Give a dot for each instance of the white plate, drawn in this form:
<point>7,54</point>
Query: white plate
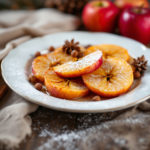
<point>13,71</point>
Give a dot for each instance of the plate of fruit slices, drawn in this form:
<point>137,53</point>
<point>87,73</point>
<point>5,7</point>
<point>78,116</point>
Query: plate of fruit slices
<point>61,72</point>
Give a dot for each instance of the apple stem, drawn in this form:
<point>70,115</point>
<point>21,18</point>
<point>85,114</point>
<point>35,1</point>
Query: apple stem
<point>139,10</point>
<point>99,4</point>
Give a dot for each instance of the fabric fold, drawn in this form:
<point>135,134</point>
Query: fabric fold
<point>17,27</point>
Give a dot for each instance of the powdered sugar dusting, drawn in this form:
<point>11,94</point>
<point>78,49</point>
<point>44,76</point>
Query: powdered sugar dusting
<point>123,132</point>
<point>88,60</point>
<point>82,63</point>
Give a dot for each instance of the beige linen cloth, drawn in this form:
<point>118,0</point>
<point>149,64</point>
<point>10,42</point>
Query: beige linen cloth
<point>17,27</point>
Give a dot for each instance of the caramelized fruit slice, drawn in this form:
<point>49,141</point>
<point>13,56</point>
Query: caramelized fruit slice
<point>42,63</point>
<point>64,88</point>
<point>61,56</point>
<point>39,66</point>
<point>113,78</point>
<point>110,50</point>
<point>84,65</point>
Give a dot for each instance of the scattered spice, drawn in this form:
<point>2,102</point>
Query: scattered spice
<point>68,47</point>
<point>96,98</point>
<point>137,75</point>
<point>32,79</point>
<point>140,65</point>
<point>87,46</point>
<point>51,49</point>
<point>38,86</point>
<point>37,54</point>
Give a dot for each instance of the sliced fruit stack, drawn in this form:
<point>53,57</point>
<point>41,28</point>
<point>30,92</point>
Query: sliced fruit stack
<point>113,78</point>
<point>64,88</point>
<point>83,66</point>
<point>109,50</point>
<point>103,69</point>
<point>42,63</point>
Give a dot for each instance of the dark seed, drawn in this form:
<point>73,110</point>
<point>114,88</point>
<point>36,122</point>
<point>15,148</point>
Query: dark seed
<point>51,48</point>
<point>32,79</point>
<point>37,54</point>
<point>38,86</point>
<point>137,75</point>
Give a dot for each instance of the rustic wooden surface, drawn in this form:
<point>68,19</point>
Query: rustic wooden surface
<point>50,128</point>
<point>55,130</point>
<point>59,123</point>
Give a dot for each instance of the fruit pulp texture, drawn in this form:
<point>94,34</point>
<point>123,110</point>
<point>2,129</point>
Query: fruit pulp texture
<point>28,71</point>
<point>109,50</point>
<point>111,79</point>
<point>42,63</point>
<point>64,88</point>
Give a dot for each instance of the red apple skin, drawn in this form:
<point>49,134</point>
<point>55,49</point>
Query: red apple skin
<point>89,69</point>
<point>122,4</point>
<point>136,25</point>
<point>100,18</point>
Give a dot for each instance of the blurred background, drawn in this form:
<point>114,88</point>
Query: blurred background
<point>67,6</point>
<point>110,20</point>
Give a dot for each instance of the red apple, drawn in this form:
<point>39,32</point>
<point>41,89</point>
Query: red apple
<point>100,15</point>
<point>131,3</point>
<point>135,23</point>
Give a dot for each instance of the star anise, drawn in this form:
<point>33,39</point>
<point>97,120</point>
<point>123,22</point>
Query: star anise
<point>71,46</point>
<point>140,66</point>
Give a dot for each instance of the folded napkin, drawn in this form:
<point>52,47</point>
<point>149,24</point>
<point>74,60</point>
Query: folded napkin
<point>17,27</point>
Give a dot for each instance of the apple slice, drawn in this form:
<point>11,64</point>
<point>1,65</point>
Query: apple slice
<point>39,66</point>
<point>113,78</point>
<point>64,88</point>
<point>42,63</point>
<point>109,50</point>
<point>83,66</point>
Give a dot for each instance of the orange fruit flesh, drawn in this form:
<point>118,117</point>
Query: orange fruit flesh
<point>60,56</point>
<point>109,50</point>
<point>113,78</point>
<point>39,66</point>
<point>64,88</point>
<point>42,63</point>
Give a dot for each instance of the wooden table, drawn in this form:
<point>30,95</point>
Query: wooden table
<point>48,124</point>
<point>54,130</point>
